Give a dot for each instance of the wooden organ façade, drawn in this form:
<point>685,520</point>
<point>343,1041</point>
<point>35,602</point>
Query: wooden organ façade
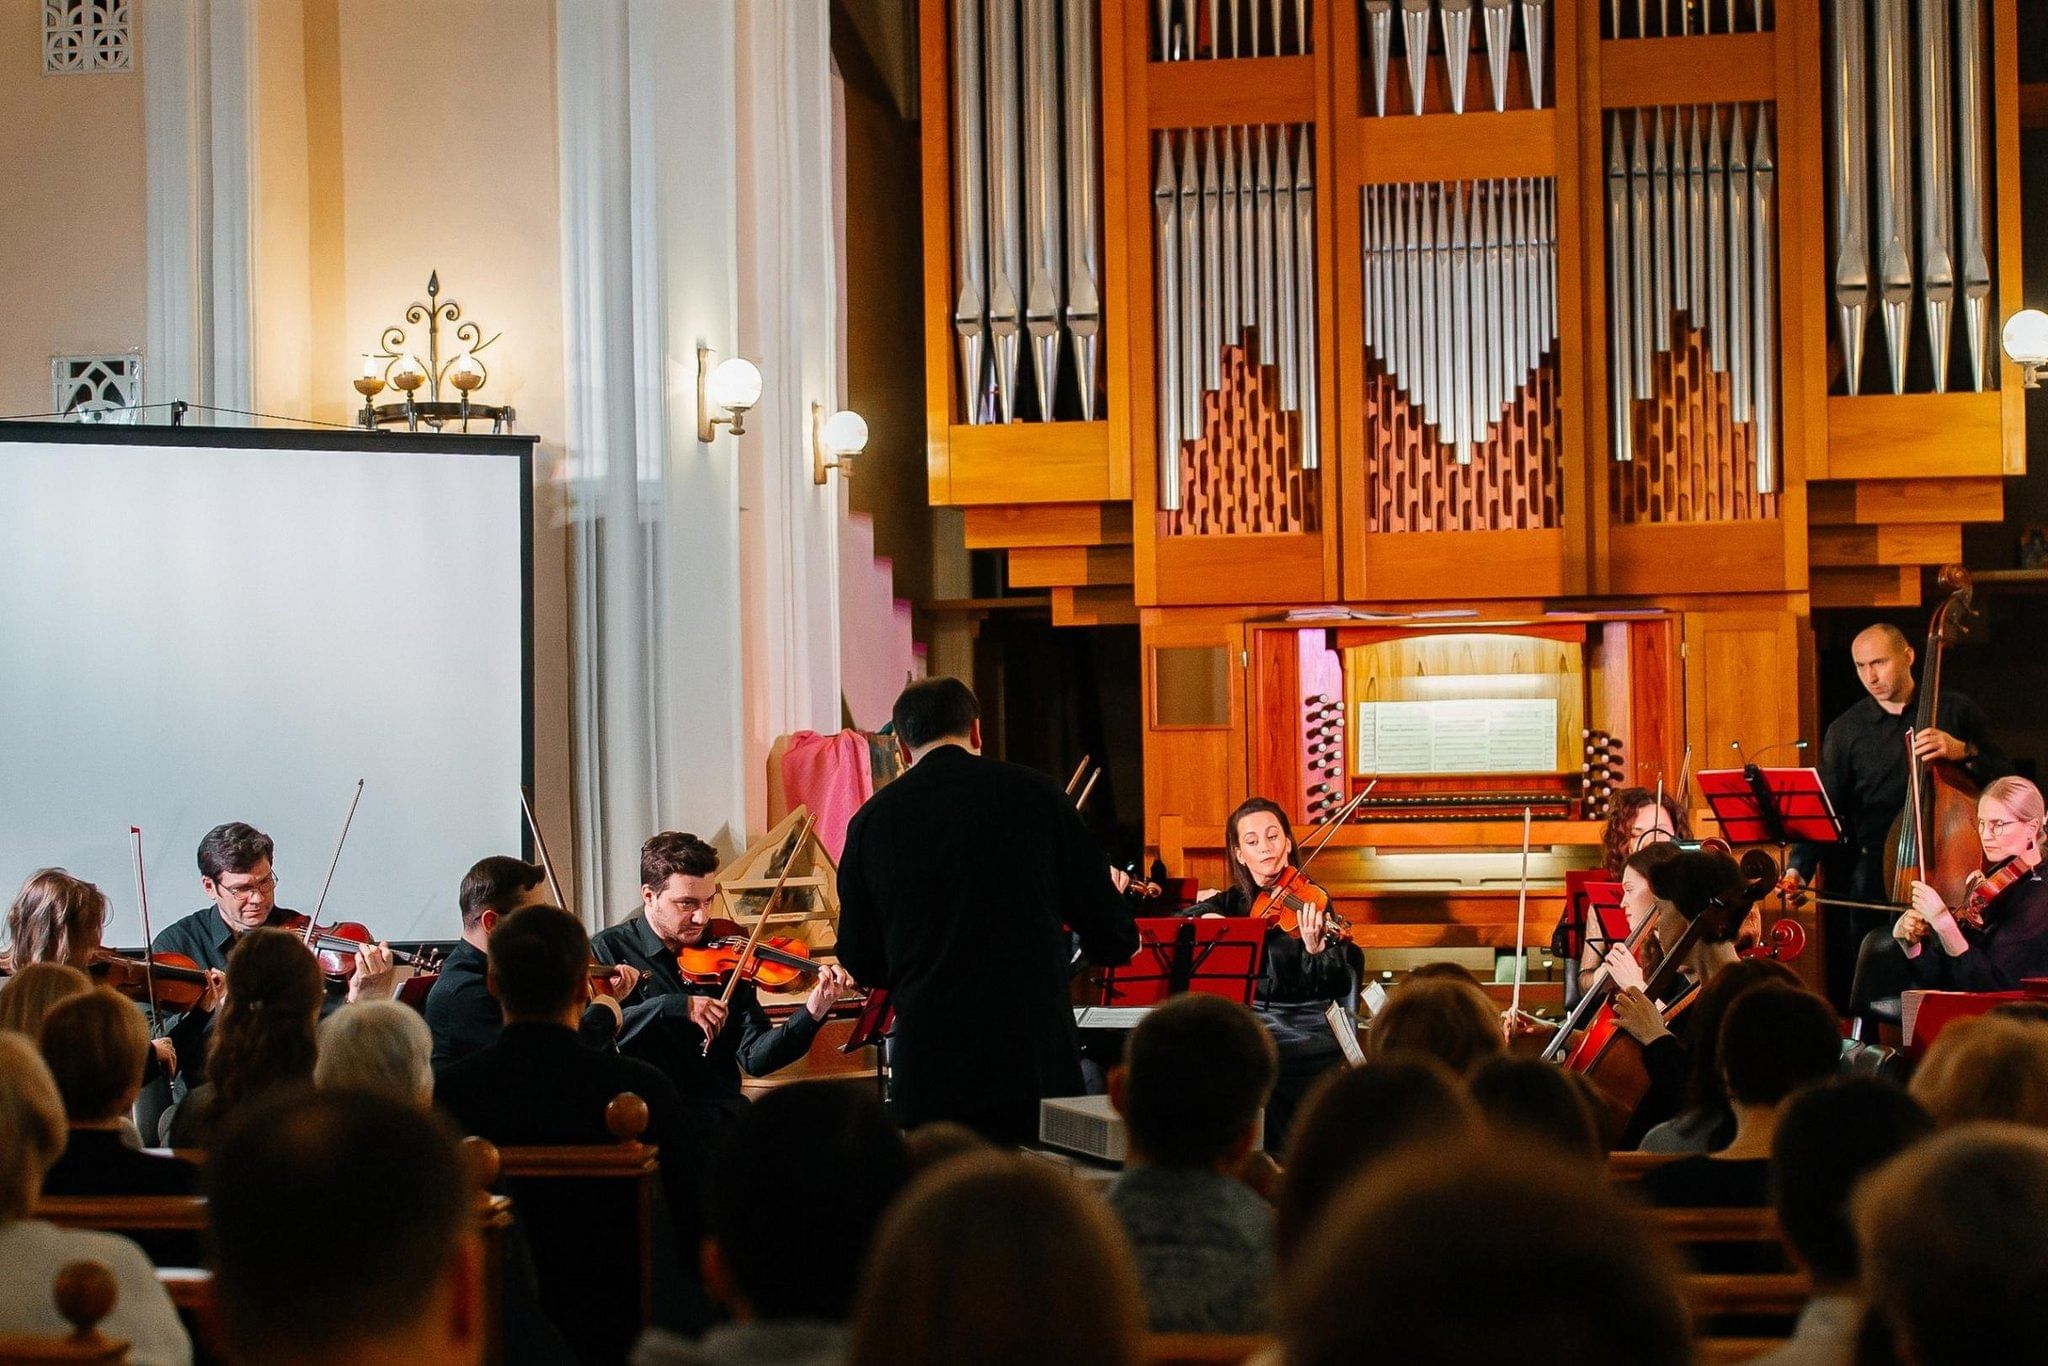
<point>1475,395</point>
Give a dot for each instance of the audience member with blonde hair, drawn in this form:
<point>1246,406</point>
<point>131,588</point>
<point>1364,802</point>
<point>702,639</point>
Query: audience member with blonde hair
<point>95,1045</point>
<point>1954,1241</point>
<point>1001,1262</point>
<point>1353,1121</point>
<point>32,1252</point>
<point>28,996</point>
<point>1473,1257</point>
<point>381,1046</point>
<point>1443,1018</point>
<point>1988,1067</point>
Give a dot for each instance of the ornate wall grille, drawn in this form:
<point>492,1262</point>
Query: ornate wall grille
<point>96,388</point>
<point>81,36</point>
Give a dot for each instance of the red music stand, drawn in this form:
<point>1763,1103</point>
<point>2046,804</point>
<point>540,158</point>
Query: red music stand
<point>1778,806</point>
<point>1590,892</point>
<point>1218,956</point>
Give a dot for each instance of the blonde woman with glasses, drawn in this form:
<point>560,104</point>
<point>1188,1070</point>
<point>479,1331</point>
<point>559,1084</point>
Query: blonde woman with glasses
<point>1999,935</point>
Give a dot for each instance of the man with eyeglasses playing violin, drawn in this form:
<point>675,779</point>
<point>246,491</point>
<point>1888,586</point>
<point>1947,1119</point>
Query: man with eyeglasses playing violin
<point>235,873</point>
<point>668,1017</point>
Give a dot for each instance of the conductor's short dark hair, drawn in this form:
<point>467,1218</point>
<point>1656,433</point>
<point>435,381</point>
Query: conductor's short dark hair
<point>828,1150</point>
<point>539,958</point>
<point>1199,1070</point>
<point>272,1182</point>
<point>933,709</point>
<point>1827,1139</point>
<point>1775,1040</point>
<point>496,884</point>
<point>233,848</point>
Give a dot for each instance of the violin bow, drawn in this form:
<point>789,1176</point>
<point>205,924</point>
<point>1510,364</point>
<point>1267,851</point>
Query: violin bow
<point>1521,929</point>
<point>1332,826</point>
<point>156,1017</point>
<point>1913,766</point>
<point>346,821</point>
<point>796,846</point>
<point>540,846</point>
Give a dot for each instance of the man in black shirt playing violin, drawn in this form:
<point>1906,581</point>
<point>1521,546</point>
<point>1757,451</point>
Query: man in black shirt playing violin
<point>1863,766</point>
<point>668,1016</point>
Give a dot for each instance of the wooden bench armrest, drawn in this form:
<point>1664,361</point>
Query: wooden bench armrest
<point>1203,1349</point>
<point>622,1160</point>
<point>1776,1292</point>
<point>122,1213</point>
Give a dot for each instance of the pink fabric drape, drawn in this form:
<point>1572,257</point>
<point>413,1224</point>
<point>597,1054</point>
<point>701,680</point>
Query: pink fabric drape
<point>831,775</point>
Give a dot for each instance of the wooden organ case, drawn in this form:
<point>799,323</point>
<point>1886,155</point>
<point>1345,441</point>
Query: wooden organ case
<point>1469,371</point>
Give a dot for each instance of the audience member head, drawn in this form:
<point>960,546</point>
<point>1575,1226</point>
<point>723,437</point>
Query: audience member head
<point>1443,1018</point>
<point>31,1125</point>
<point>1703,1085</point>
<point>495,887</point>
<point>55,918</point>
<point>1443,970</point>
<point>1953,1235</point>
<point>1355,1119</point>
<point>401,1286</point>
<point>1194,1082</point>
<point>1002,1262</point>
<point>1829,1137</point>
<point>539,965</point>
<point>1636,820</point>
<point>1989,1067</point>
<point>1411,1252</point>
<point>95,1044</point>
<point>264,1036</point>
<point>1775,1040</point>
<point>2031,1011</point>
<point>380,1046</point>
<point>236,873</point>
<point>941,1140</point>
<point>28,996</point>
<point>934,709</point>
<point>1527,1099</point>
<point>828,1151</point>
<point>1258,842</point>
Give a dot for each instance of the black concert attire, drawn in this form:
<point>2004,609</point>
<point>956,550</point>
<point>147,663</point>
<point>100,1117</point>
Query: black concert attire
<point>1295,987</point>
<point>955,890</point>
<point>538,1084</point>
<point>658,1028</point>
<point>1863,767</point>
<point>206,939</point>
<point>463,1016</point>
<point>100,1162</point>
<point>2012,946</point>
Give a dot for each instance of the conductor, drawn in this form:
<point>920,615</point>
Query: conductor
<point>958,884</point>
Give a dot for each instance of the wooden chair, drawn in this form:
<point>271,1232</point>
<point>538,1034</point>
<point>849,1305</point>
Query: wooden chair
<point>1203,1349</point>
<point>1691,1227</point>
<point>589,1214</point>
<point>1725,1351</point>
<point>1626,1167</point>
<point>85,1292</point>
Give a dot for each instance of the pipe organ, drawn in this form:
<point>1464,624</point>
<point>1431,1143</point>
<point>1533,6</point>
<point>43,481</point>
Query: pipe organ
<point>1472,396</point>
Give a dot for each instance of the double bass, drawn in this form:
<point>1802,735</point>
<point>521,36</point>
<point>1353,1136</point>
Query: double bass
<point>1934,840</point>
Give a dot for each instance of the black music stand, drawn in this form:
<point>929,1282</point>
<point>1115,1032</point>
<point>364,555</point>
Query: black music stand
<point>1214,955</point>
<point>1778,806</point>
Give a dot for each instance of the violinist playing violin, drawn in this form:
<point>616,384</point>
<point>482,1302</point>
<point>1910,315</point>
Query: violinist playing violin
<point>669,1017</point>
<point>1999,935</point>
<point>1304,970</point>
<point>236,874</point>
<point>58,918</point>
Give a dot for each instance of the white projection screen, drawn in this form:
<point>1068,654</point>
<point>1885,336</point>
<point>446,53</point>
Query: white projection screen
<point>205,625</point>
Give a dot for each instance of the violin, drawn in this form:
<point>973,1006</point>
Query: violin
<point>168,981</point>
<point>775,963</point>
<point>1283,902</point>
<point>337,945</point>
<point>1981,889</point>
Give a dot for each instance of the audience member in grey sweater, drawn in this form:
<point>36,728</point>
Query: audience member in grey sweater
<point>1195,1080</point>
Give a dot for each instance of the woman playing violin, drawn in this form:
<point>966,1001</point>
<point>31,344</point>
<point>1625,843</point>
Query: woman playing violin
<point>58,918</point>
<point>1304,970</point>
<point>1999,936</point>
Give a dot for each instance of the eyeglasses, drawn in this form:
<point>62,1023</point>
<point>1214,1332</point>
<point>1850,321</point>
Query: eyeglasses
<point>248,892</point>
<point>1995,828</point>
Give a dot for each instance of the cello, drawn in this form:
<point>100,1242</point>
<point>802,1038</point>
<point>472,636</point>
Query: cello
<point>1934,840</point>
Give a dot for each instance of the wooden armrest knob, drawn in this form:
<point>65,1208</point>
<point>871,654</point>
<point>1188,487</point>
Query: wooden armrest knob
<point>626,1117</point>
<point>480,1155</point>
<point>85,1294</point>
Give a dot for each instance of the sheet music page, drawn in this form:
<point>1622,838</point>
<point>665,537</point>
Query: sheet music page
<point>1460,735</point>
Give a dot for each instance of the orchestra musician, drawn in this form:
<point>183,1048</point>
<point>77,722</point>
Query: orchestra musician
<point>1636,819</point>
<point>1302,973</point>
<point>669,1017</point>
<point>461,1012</point>
<point>1863,766</point>
<point>1999,937</point>
<point>956,886</point>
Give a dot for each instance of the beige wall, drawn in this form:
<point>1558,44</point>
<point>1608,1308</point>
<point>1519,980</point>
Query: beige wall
<point>71,217</point>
